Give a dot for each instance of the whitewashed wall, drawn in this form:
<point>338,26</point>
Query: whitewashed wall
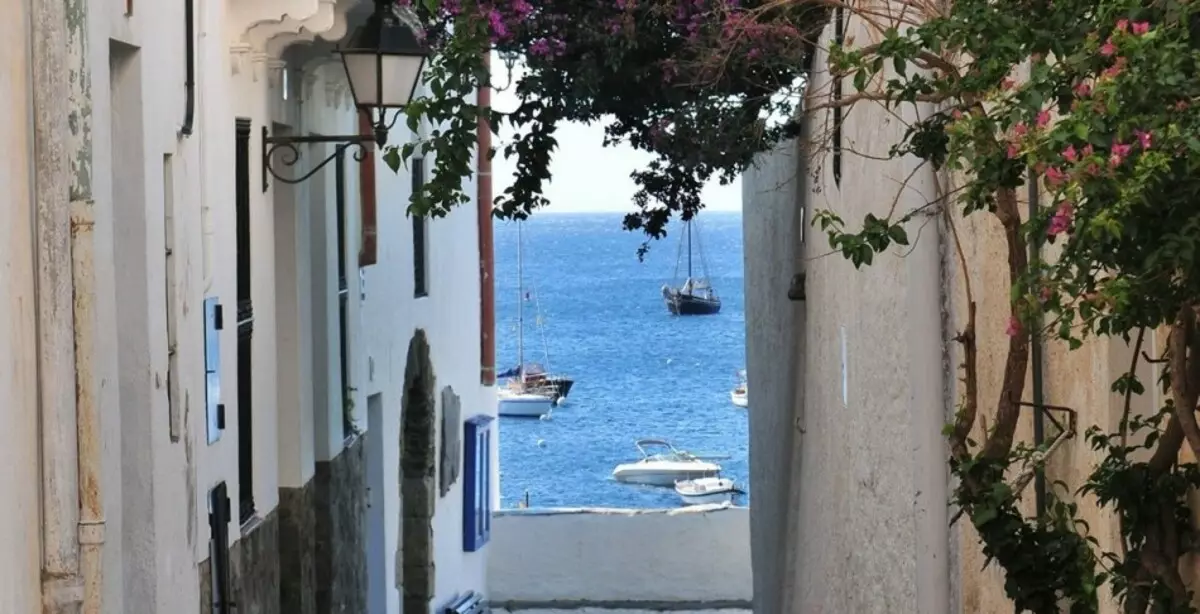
<point>19,527</point>
<point>609,556</point>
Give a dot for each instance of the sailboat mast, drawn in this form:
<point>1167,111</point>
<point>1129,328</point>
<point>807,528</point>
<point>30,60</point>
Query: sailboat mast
<point>689,234</point>
<point>520,306</point>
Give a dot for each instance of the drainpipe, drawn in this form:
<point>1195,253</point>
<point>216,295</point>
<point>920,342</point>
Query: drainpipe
<point>83,272</point>
<point>1036,359</point>
<point>487,260</point>
<point>62,588</point>
<point>926,284</point>
<point>189,83</point>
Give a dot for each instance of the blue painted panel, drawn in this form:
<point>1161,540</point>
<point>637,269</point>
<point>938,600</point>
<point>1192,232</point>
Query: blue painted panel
<point>477,482</point>
<point>212,369</point>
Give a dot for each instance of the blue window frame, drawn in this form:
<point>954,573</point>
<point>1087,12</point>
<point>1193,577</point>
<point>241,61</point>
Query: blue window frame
<point>213,409</point>
<point>477,482</point>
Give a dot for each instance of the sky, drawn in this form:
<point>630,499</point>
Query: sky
<point>586,176</point>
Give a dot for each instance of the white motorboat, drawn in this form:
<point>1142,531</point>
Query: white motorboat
<point>706,490</point>
<point>664,468</point>
<point>739,394</point>
<point>515,402</point>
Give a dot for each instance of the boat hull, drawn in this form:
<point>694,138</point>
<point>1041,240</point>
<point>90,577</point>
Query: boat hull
<point>708,498</point>
<point>739,400</point>
<point>524,406</point>
<point>706,490</point>
<point>561,386</point>
<point>686,305</point>
<point>650,477</point>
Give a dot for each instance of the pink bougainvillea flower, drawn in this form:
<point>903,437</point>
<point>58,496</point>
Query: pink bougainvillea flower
<point>1046,293</point>
<point>1118,153</point>
<point>1020,129</point>
<point>1070,154</point>
<point>1087,150</point>
<point>1141,28</point>
<point>956,114</point>
<point>1061,220</point>
<point>1122,25</point>
<point>1043,118</point>
<point>1007,84</point>
<point>1143,138</point>
<point>1014,327</point>
<point>1114,70</point>
<point>1083,89</point>
<point>1055,177</point>
<point>1092,169</point>
<point>1108,49</point>
<point>1014,151</point>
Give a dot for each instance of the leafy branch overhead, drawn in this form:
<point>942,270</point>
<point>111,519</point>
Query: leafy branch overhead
<point>703,85</point>
<point>1095,100</point>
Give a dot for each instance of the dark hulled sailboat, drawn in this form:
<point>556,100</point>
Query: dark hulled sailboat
<point>695,296</point>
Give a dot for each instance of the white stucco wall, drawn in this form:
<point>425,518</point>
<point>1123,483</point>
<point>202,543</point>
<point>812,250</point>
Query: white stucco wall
<point>19,528</point>
<point>610,556</point>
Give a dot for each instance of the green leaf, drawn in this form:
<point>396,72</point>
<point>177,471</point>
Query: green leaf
<point>391,156</point>
<point>898,235</point>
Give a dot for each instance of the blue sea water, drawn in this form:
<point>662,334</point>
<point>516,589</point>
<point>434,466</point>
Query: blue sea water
<point>639,372</point>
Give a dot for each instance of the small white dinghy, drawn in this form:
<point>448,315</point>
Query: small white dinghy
<point>706,490</point>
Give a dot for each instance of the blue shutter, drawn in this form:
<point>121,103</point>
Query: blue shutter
<point>477,487</point>
<point>214,410</point>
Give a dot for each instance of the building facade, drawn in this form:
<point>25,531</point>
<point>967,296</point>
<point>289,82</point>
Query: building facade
<point>231,391</point>
<point>855,372</point>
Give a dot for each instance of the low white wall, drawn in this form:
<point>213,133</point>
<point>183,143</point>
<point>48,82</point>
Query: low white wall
<point>606,556</point>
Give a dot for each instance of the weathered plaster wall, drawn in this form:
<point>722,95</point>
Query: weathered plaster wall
<point>19,524</point>
<point>774,230</point>
<point>609,556</point>
<point>868,480</point>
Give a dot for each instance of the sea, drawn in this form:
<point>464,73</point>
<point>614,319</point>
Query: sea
<point>595,313</point>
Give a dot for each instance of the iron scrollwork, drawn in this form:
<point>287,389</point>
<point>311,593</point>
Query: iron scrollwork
<point>289,153</point>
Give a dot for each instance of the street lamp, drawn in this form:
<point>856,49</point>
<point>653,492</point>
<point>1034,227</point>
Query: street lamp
<point>383,62</point>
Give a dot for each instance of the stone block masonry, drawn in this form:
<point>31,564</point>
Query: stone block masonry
<point>308,556</point>
<point>341,512</point>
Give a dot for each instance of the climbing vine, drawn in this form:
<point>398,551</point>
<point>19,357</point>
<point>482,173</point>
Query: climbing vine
<point>1096,101</point>
<point>702,85</point>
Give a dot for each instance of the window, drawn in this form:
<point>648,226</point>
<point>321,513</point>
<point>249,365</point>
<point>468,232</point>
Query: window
<point>420,226</point>
<point>343,295</point>
<point>213,409</point>
<point>839,34</point>
<point>245,326</point>
<point>477,498</point>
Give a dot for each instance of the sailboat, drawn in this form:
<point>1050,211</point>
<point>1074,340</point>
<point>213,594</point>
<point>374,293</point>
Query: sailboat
<point>696,295</point>
<point>530,391</point>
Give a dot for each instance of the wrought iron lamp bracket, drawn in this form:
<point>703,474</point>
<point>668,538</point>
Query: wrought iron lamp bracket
<point>289,153</point>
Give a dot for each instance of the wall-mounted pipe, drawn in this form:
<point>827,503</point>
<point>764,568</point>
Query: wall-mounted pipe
<point>189,83</point>
<point>1036,360</point>
<point>487,260</point>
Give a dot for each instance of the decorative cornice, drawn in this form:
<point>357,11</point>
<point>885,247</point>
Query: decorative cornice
<point>259,32</point>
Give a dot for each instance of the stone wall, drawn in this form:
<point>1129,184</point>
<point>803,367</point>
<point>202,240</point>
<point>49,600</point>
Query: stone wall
<point>340,520</point>
<point>253,571</point>
<point>298,549</point>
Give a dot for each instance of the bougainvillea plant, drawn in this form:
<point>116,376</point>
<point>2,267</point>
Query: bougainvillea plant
<point>690,81</point>
<point>1096,101</point>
